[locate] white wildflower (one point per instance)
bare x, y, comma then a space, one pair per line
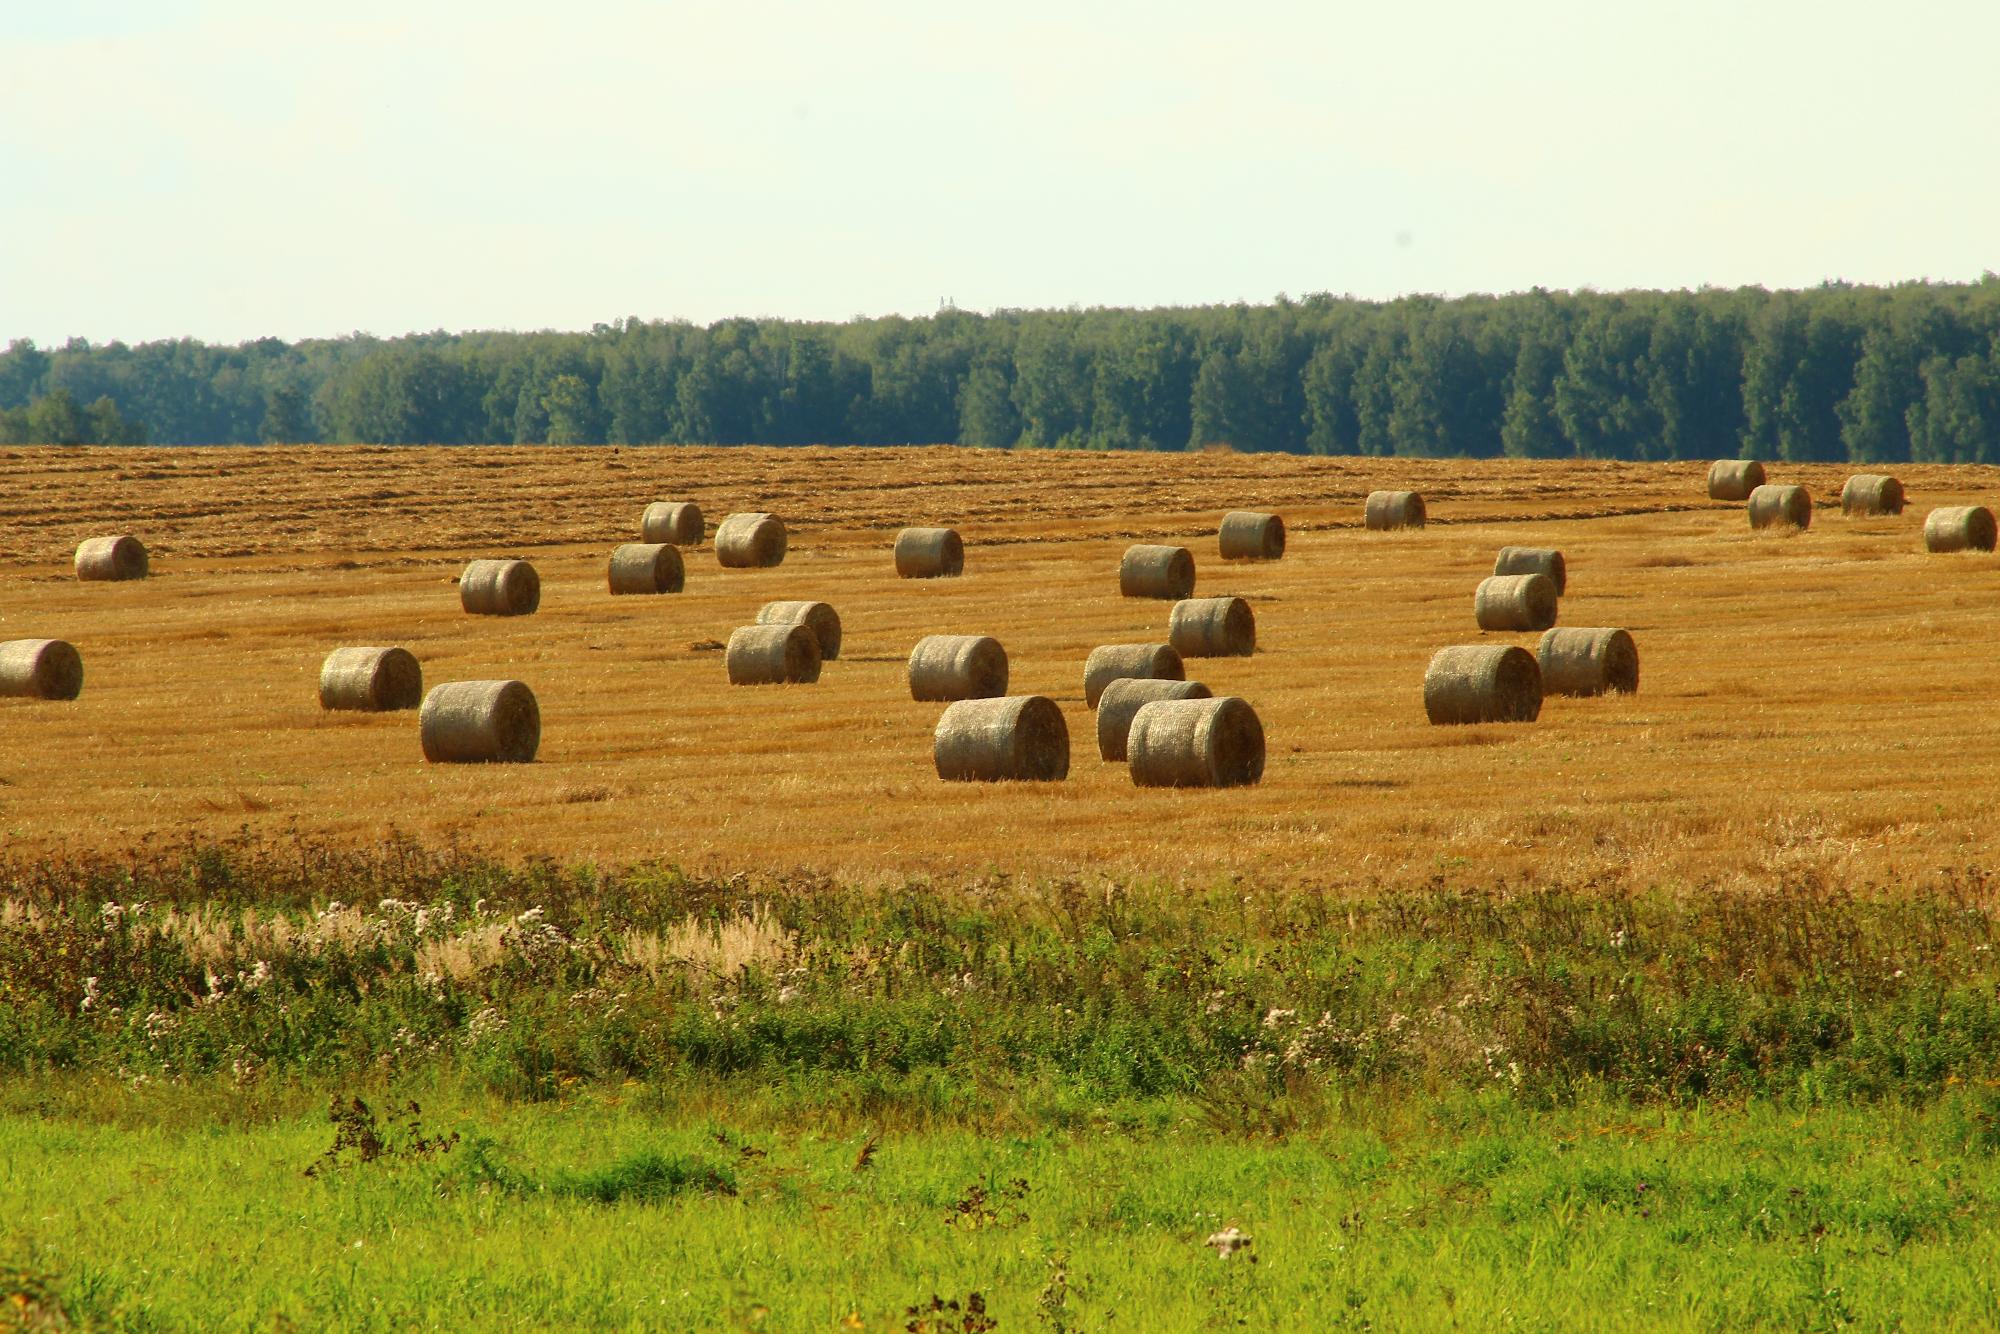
484, 1024
1229, 1241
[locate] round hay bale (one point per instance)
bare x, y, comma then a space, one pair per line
1959, 528
929, 553
1578, 661
500, 588
40, 669
1871, 493
1212, 628
371, 680
1122, 699
1149, 571
1394, 509
646, 567
1248, 535
676, 522
1483, 683
1017, 738
1515, 602
480, 722
111, 558
1196, 743
773, 655
950, 667
1117, 662
1534, 560
750, 542
1780, 507
1734, 479
818, 617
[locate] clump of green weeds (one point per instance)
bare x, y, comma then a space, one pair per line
644, 1177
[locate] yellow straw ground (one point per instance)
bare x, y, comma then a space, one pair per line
1818, 702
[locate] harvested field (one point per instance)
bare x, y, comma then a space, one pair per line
1858, 655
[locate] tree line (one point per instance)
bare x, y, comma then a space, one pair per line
1839, 372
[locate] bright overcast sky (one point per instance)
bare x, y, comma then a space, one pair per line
242, 167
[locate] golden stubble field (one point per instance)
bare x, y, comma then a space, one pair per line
1820, 702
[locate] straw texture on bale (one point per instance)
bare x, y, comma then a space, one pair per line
1196, 743
1515, 602
1149, 571
500, 588
111, 558
678, 522
646, 567
1780, 507
1871, 493
1017, 738
773, 655
1483, 683
40, 669
818, 617
949, 667
1580, 661
480, 722
1734, 479
1212, 628
1394, 509
1117, 662
929, 553
1960, 528
750, 542
1122, 699
370, 680
1248, 535
1534, 560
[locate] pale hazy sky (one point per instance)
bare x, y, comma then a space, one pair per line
238, 168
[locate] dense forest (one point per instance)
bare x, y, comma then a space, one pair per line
1836, 372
